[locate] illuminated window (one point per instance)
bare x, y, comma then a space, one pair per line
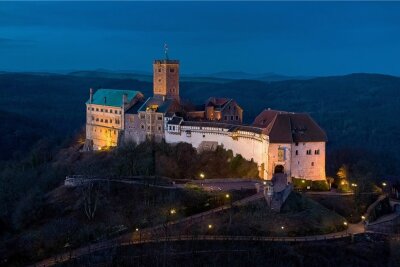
281, 154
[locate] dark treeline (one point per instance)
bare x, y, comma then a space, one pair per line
357, 111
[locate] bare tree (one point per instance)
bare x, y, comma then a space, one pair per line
90, 193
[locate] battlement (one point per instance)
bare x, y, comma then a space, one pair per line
166, 61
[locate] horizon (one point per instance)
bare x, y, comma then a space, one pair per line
292, 39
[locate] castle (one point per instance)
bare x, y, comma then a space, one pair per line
278, 141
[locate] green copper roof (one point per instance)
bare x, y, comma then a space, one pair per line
111, 97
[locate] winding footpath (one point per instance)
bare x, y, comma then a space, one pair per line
158, 234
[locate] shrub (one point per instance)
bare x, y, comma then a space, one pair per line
304, 184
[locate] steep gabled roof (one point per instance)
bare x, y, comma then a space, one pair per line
285, 127
161, 105
112, 97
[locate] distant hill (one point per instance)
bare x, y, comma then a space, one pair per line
239, 75
358, 111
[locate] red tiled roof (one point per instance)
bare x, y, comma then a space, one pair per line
285, 127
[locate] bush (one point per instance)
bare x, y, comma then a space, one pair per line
320, 185
304, 184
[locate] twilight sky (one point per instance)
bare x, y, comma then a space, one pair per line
311, 38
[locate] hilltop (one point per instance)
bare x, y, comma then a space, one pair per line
357, 110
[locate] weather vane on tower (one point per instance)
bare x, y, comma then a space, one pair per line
166, 50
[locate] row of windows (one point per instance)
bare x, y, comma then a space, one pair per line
309, 152
232, 118
117, 121
106, 110
170, 70
106, 131
148, 127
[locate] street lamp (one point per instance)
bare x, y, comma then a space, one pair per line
384, 184
210, 226
283, 227
202, 175
172, 211
345, 225
227, 196
363, 217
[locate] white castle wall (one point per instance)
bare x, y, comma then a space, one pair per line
308, 166
300, 164
251, 146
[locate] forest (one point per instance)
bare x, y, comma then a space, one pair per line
42, 118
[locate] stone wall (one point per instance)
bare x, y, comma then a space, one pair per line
251, 146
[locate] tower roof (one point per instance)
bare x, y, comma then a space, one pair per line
286, 127
112, 97
166, 61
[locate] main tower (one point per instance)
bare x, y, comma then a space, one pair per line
166, 78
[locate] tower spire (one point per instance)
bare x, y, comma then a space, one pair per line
166, 50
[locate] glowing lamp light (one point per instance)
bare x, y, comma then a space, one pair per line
137, 229
283, 227
172, 211
227, 195
345, 223
384, 184
303, 181
210, 226
264, 183
363, 217
202, 175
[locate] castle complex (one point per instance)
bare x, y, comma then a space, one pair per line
278, 141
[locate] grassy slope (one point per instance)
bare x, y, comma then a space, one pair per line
300, 216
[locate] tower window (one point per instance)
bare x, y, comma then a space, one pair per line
312, 164
316, 152
309, 152
297, 152
171, 70
159, 70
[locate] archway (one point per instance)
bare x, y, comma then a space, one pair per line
279, 169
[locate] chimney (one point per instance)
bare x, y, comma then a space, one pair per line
124, 99
91, 96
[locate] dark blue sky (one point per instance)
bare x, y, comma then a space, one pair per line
312, 38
